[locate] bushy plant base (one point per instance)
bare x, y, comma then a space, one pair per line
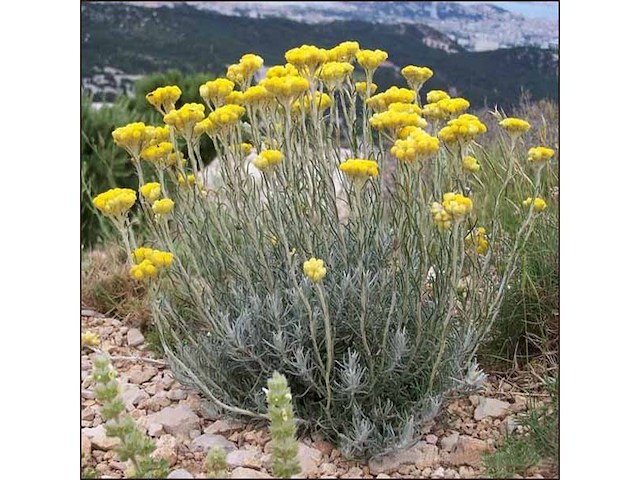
370, 297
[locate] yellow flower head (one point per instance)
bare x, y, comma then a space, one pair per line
383, 100
251, 63
256, 95
135, 137
149, 262
416, 76
358, 169
115, 202
158, 154
477, 240
268, 160
470, 164
314, 269
434, 96
287, 70
361, 88
151, 191
462, 130
414, 144
215, 91
90, 339
286, 89
185, 118
163, 206
441, 218
344, 52
307, 59
538, 204
398, 116
371, 59
226, 116
539, 155
515, 126
456, 205
246, 148
333, 74
433, 112
164, 99
453, 106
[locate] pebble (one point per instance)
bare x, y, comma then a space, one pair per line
180, 473
134, 337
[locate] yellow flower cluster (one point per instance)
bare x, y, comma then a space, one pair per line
268, 160
323, 101
314, 269
415, 144
456, 204
540, 155
256, 95
135, 137
440, 217
115, 202
90, 339
344, 52
538, 204
164, 99
287, 88
185, 118
241, 73
453, 106
287, 70
159, 154
478, 240
416, 76
333, 74
371, 59
163, 206
307, 59
359, 169
398, 116
149, 262
515, 126
219, 120
151, 191
470, 164
216, 91
434, 96
246, 148
383, 100
462, 129
361, 89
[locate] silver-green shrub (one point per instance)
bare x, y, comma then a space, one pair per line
369, 283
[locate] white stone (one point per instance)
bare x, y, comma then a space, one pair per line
134, 337
490, 407
99, 439
177, 420
207, 442
180, 473
242, 472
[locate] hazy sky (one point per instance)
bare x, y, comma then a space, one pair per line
530, 9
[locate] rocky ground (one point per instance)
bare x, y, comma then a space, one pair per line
175, 417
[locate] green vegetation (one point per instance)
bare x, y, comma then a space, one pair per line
540, 440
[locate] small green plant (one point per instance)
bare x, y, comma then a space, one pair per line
217, 463
513, 457
517, 454
134, 445
282, 427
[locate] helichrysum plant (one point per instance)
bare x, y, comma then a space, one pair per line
364, 258
134, 445
282, 427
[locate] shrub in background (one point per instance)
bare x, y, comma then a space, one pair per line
374, 316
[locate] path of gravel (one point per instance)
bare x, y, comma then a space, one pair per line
174, 415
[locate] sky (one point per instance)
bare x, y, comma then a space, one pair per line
529, 9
